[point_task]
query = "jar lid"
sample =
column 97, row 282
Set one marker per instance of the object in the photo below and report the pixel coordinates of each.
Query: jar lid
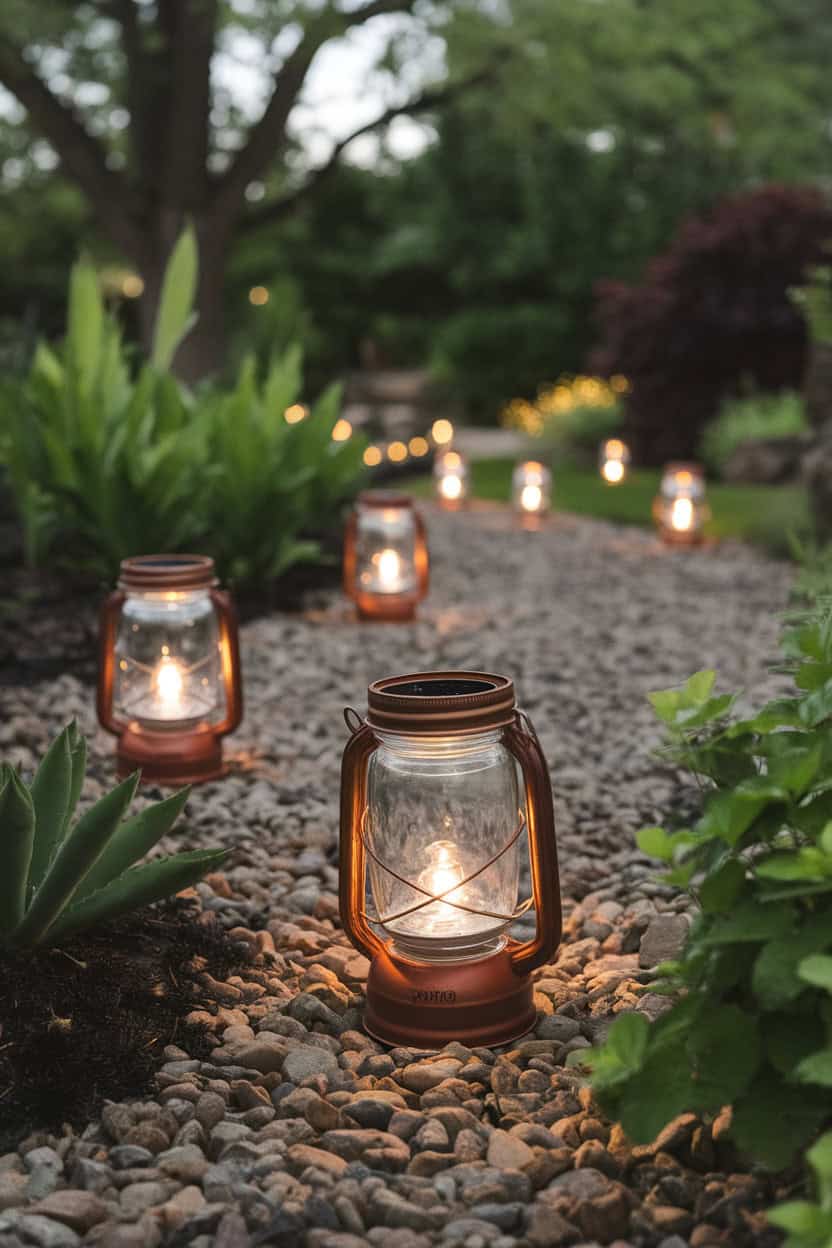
column 437, row 703
column 157, row 572
column 384, row 498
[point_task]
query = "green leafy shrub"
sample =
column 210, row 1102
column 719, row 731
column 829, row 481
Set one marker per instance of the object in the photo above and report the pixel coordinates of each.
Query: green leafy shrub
column 778, row 415
column 752, row 1017
column 56, row 877
column 809, row 1224
column 106, row 462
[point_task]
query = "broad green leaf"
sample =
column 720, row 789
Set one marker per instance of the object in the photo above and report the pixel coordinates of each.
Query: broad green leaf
column 775, row 978
column 140, row 886
column 731, row 813
column 799, row 1217
column 622, row 1052
column 775, row 1118
column 132, row 840
column 697, row 688
column 78, row 758
column 751, row 920
column 176, row 300
column 81, row 848
column 665, row 703
column 656, row 843
column 722, row 888
column 803, row 864
column 51, row 794
column 17, row 833
column 703, row 713
column 84, row 325
column 817, row 1068
column 795, row 769
column 820, row 1159
column 660, row 1090
column 817, row 707
column 724, row 1048
column 816, row 970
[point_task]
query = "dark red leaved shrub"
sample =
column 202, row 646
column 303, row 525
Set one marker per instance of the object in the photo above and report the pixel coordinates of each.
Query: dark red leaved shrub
column 712, row 315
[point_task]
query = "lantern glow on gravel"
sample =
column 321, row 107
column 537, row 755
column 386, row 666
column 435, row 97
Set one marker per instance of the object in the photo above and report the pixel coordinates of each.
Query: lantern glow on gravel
column 531, row 489
column 450, row 472
column 169, row 683
column 432, row 811
column 680, row 510
column 386, row 562
column 614, row 460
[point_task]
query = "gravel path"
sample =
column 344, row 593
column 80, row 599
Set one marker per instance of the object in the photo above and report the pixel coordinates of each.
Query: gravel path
column 300, row 1130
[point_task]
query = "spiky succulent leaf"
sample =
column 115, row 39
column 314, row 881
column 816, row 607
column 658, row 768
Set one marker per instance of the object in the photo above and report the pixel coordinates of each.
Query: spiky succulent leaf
column 51, row 790
column 78, row 758
column 131, row 841
column 140, row 886
column 17, row 834
column 79, row 851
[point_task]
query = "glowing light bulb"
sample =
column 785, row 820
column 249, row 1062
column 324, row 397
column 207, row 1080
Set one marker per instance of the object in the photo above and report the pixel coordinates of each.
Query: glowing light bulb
column 613, row 471
column 389, row 568
column 681, row 515
column 441, row 879
column 169, row 684
column 531, row 498
column 450, row 487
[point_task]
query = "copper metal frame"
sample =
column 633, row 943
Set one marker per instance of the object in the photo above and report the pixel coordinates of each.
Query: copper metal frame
column 170, row 757
column 484, row 1002
column 387, row 607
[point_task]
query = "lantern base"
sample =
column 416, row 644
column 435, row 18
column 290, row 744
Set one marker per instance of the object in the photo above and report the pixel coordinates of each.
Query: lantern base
column 393, row 608
column 170, row 757
column 671, row 537
column 427, row 1005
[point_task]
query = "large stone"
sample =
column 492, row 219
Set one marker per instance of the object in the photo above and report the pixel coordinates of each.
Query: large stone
column 78, row 1210
column 304, row 1061
column 664, row 939
column 508, row 1152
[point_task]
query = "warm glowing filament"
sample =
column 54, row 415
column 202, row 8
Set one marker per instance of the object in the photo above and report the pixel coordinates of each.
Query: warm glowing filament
column 389, row 568
column 613, row 471
column 169, row 683
column 681, row 515
column 444, row 873
column 450, row 487
column 531, row 498
column 683, row 477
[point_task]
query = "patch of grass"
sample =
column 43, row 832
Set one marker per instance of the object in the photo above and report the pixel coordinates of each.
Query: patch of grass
column 765, row 514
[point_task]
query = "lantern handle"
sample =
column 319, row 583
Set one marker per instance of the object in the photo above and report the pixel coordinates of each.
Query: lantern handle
column 354, row 721
column 522, row 741
column 109, row 617
column 353, row 865
column 230, row 659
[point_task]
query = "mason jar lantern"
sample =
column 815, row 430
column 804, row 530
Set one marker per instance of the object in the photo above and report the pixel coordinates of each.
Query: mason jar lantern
column 450, row 473
column 680, row 510
column 443, row 788
column 613, row 460
column 386, row 562
column 169, row 684
column 531, row 489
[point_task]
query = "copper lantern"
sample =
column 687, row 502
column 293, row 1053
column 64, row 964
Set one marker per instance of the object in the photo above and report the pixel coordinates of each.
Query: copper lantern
column 680, row 510
column 531, row 489
column 386, row 558
column 169, row 683
column 450, row 473
column 442, row 787
column 613, row 460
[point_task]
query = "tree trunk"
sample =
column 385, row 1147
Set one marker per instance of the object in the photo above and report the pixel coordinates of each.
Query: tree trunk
column 202, row 353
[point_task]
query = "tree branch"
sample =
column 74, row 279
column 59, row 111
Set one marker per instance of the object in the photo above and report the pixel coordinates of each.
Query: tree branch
column 277, row 209
column 268, row 135
column 81, row 155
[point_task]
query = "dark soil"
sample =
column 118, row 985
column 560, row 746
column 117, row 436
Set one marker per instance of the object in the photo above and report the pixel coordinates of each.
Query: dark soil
column 89, row 1021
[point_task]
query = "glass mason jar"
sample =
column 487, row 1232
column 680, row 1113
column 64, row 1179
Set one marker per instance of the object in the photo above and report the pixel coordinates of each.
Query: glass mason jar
column 385, row 556
column 169, row 666
column 531, row 488
column 435, row 819
column 450, row 473
column 444, row 807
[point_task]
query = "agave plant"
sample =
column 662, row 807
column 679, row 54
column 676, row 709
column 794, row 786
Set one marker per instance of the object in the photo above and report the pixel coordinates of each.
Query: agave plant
column 56, row 879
